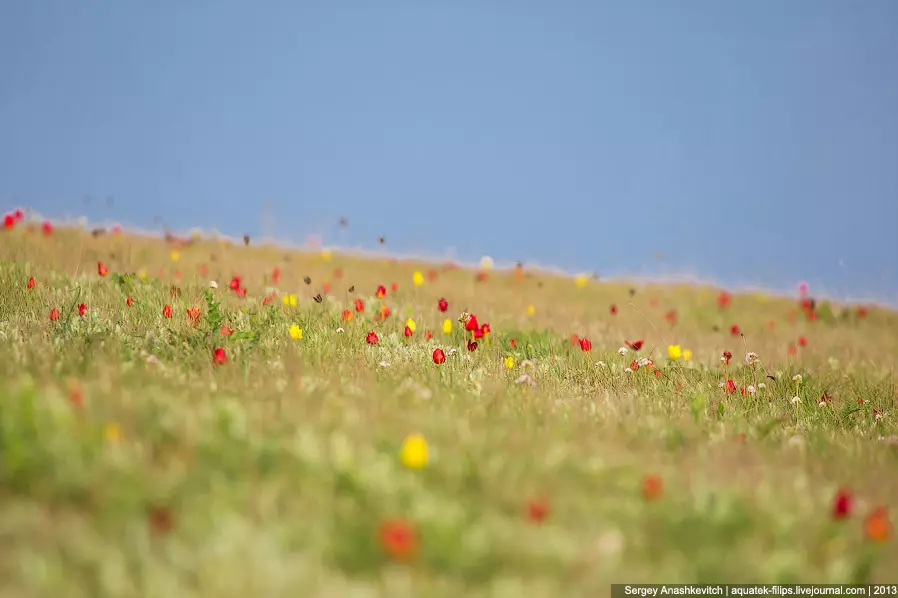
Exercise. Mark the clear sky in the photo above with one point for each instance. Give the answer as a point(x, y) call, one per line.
point(748, 142)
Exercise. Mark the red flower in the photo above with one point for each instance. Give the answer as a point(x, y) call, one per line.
point(861, 312)
point(9, 221)
point(381, 292)
point(585, 345)
point(394, 287)
point(235, 284)
point(876, 526)
point(734, 330)
point(727, 356)
point(54, 314)
point(427, 335)
point(30, 284)
point(101, 269)
point(82, 309)
point(346, 315)
point(18, 214)
point(443, 305)
point(193, 315)
point(671, 317)
point(472, 345)
point(276, 275)
point(384, 312)
point(842, 504)
point(537, 510)
point(439, 356)
point(634, 365)
point(485, 329)
point(241, 292)
point(792, 350)
point(47, 227)
point(724, 299)
point(371, 338)
point(802, 341)
point(730, 387)
point(226, 330)
point(478, 333)
point(167, 311)
point(398, 539)
point(513, 343)
point(129, 301)
point(359, 305)
point(408, 332)
point(613, 309)
point(634, 345)
point(652, 487)
point(471, 325)
point(204, 269)
point(219, 357)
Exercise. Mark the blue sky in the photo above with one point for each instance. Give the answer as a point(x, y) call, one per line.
point(748, 142)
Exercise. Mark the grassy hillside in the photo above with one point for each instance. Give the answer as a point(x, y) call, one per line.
point(254, 444)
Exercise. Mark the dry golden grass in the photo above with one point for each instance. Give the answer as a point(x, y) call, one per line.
point(132, 465)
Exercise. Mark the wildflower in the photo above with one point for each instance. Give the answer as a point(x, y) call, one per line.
point(47, 228)
point(295, 332)
point(525, 379)
point(600, 364)
point(219, 357)
point(129, 301)
point(512, 343)
point(82, 309)
point(439, 356)
point(726, 357)
point(30, 284)
point(359, 305)
point(613, 309)
point(235, 284)
point(54, 314)
point(410, 323)
point(443, 305)
point(751, 358)
point(485, 329)
point(531, 310)
point(289, 300)
point(802, 341)
point(509, 362)
point(581, 281)
point(213, 284)
point(824, 400)
point(585, 345)
point(414, 451)
point(340, 331)
point(724, 299)
point(384, 312)
point(371, 338)
point(471, 324)
point(652, 487)
point(634, 365)
point(226, 330)
point(418, 278)
point(167, 311)
point(537, 510)
point(193, 315)
point(383, 364)
point(408, 331)
point(750, 389)
point(397, 538)
point(797, 378)
point(877, 414)
point(730, 386)
point(381, 292)
point(394, 287)
point(674, 352)
point(622, 351)
point(175, 256)
point(427, 335)
point(842, 504)
point(734, 330)
point(795, 400)
point(101, 269)
point(687, 354)
point(346, 316)
point(862, 401)
point(671, 317)
point(761, 386)
point(113, 432)
point(472, 346)
point(634, 345)
point(447, 326)
point(876, 526)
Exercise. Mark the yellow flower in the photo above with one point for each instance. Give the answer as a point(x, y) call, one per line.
point(290, 300)
point(326, 255)
point(674, 351)
point(142, 274)
point(414, 451)
point(486, 262)
point(531, 310)
point(687, 354)
point(418, 279)
point(581, 281)
point(113, 432)
point(175, 256)
point(509, 362)
point(447, 326)
point(411, 324)
point(295, 332)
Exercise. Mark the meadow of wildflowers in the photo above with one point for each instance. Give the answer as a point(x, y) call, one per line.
point(192, 417)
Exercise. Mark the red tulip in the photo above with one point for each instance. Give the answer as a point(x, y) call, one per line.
point(439, 356)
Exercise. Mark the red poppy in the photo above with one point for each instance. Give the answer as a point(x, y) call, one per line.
point(585, 345)
point(397, 537)
point(235, 284)
point(439, 356)
point(843, 503)
point(219, 357)
point(635, 345)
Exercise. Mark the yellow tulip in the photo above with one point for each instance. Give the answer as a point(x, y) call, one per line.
point(414, 451)
point(687, 354)
point(411, 324)
point(531, 310)
point(674, 351)
point(290, 300)
point(113, 432)
point(295, 332)
point(418, 279)
point(175, 256)
point(447, 326)
point(509, 362)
